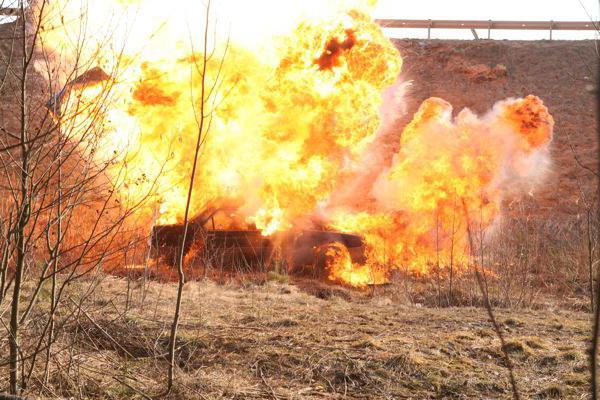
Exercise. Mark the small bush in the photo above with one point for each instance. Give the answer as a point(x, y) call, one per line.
point(275, 276)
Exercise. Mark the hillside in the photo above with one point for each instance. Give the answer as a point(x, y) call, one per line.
point(560, 72)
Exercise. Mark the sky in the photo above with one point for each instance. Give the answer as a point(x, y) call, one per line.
point(512, 10)
point(517, 10)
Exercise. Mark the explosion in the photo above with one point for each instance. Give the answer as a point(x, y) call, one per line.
point(294, 106)
point(449, 174)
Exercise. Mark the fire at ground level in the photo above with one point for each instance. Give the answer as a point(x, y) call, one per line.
point(309, 130)
point(309, 253)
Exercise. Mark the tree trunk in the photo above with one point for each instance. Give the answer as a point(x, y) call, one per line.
point(23, 218)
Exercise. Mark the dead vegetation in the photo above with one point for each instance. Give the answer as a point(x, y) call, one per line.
point(273, 340)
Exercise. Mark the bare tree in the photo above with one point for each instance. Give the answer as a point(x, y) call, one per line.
point(51, 181)
point(596, 324)
point(203, 112)
point(23, 212)
point(186, 221)
point(482, 284)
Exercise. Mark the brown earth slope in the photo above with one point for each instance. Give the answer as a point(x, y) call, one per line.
point(476, 74)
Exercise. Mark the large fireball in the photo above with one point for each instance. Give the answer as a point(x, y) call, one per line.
point(294, 104)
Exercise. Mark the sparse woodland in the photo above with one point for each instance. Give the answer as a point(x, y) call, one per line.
point(87, 311)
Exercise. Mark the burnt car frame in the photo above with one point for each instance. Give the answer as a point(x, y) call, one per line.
point(302, 249)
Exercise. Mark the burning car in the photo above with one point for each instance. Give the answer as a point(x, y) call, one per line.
point(310, 131)
point(303, 250)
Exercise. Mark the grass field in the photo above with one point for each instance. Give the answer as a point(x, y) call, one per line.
point(308, 340)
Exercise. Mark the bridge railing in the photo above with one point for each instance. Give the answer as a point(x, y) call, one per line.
point(490, 25)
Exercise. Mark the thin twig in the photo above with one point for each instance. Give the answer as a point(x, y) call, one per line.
point(102, 330)
point(490, 312)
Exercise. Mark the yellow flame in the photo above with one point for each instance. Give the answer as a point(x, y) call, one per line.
point(294, 98)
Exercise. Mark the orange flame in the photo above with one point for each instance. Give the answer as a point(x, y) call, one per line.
point(449, 175)
point(294, 106)
point(341, 269)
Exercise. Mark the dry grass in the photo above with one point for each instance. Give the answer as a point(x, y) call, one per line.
point(307, 340)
